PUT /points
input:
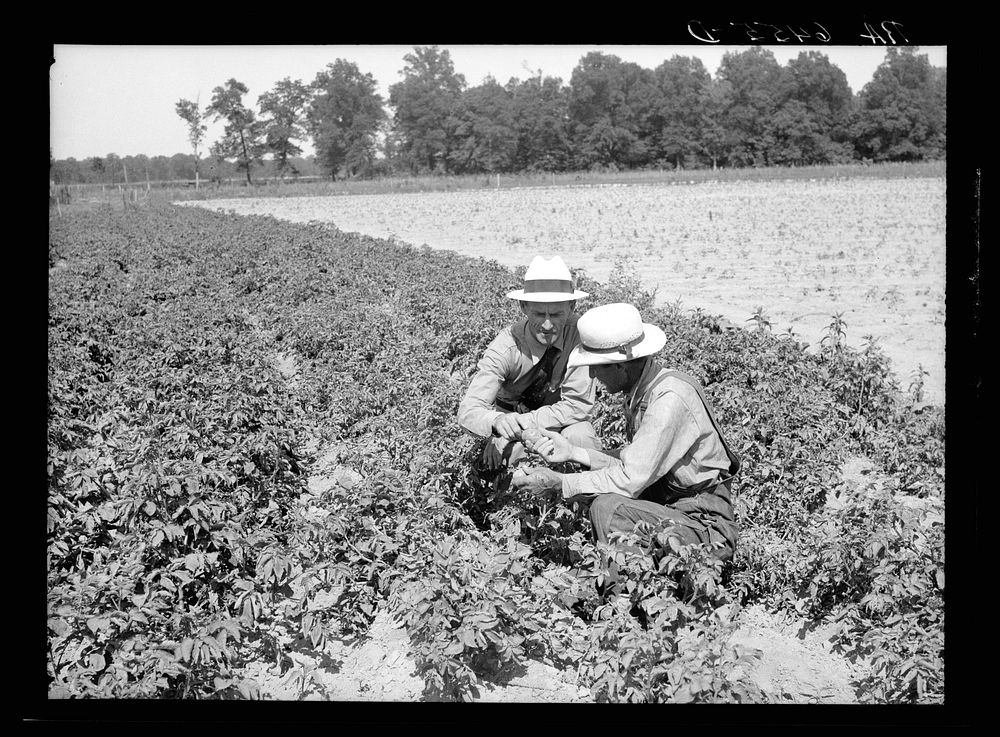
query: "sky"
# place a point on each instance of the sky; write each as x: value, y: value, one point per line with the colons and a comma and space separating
x: 120, y: 99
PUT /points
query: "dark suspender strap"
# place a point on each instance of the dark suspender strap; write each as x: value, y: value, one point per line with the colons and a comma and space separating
x: 504, y: 405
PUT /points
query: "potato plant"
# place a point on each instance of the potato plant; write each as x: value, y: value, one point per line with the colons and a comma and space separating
x: 185, y: 541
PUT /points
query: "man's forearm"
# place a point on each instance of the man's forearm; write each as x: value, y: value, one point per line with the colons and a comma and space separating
x: 477, y: 420
x: 559, y: 414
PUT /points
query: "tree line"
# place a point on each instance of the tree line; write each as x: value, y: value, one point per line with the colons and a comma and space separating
x: 612, y: 115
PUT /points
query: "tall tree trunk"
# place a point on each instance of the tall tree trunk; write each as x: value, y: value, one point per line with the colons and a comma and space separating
x: 246, y: 156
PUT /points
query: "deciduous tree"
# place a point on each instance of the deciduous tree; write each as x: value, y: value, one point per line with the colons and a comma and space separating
x: 425, y: 104
x: 191, y: 114
x: 97, y: 166
x: 679, y: 118
x: 902, y: 113
x: 180, y: 166
x: 717, y: 140
x: 610, y: 106
x: 540, y: 111
x: 485, y: 135
x: 810, y: 125
x: 115, y: 168
x: 283, y: 116
x: 242, y: 138
x: 756, y: 83
x: 344, y: 119
x: 68, y: 171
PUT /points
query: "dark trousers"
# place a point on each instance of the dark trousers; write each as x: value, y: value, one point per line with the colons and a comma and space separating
x: 705, y: 517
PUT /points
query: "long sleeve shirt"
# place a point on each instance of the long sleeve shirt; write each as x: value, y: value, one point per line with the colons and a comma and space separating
x: 673, y: 438
x: 507, y: 360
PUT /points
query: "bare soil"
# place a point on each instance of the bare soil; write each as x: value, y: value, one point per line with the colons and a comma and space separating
x: 794, y: 667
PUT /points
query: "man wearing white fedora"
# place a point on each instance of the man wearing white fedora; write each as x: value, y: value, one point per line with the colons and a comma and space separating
x: 522, y: 379
x: 676, y: 467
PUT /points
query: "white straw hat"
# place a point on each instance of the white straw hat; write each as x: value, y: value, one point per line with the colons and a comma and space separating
x: 547, y: 280
x: 614, y: 333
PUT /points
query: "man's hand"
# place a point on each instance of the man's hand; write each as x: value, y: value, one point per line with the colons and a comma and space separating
x: 508, y: 426
x: 543, y: 483
x: 551, y: 446
x: 493, y: 453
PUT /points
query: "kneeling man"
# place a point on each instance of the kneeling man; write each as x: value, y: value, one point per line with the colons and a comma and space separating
x: 676, y: 466
x: 522, y: 381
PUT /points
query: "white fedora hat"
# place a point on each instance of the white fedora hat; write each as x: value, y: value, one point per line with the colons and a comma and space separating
x: 547, y: 280
x: 614, y: 333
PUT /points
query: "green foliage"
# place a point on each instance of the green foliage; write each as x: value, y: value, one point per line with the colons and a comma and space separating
x: 243, y: 136
x: 811, y: 122
x: 677, y: 123
x: 185, y: 539
x: 752, y: 80
x: 191, y: 114
x: 609, y: 102
x: 901, y: 116
x: 662, y: 634
x: 472, y: 611
x: 610, y: 116
x: 538, y: 107
x: 759, y: 319
x: 344, y: 116
x: 425, y: 103
x: 283, y: 109
x: 486, y: 136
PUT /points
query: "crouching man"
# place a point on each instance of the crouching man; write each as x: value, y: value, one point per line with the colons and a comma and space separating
x: 522, y: 381
x: 676, y: 465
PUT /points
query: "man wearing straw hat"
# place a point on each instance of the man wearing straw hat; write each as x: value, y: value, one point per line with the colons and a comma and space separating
x: 676, y: 467
x: 522, y: 379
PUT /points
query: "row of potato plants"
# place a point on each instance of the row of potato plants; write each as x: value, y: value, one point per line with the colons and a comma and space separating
x: 185, y: 540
